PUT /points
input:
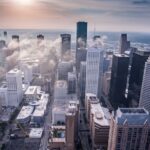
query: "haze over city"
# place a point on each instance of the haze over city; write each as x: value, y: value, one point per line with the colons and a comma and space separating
x: 104, y: 15
x: 74, y: 75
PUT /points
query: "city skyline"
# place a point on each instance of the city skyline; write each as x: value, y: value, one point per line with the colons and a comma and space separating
x: 110, y: 15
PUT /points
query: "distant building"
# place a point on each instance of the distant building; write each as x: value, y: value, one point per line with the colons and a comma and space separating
x: 65, y: 44
x: 60, y: 89
x: 106, y: 83
x: 15, y: 38
x: 118, y: 81
x: 3, y: 95
x: 82, y: 79
x: 94, y: 70
x: 63, y: 68
x: 136, y: 76
x: 81, y: 40
x: 81, y: 55
x: 14, y: 86
x: 145, y: 89
x: 130, y: 129
x: 3, y: 53
x: 72, y: 83
x: 124, y: 43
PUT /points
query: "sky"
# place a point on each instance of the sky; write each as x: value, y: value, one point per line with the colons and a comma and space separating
x: 103, y: 15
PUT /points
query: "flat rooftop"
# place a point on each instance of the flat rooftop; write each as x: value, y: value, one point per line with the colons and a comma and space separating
x: 36, y: 132
x: 102, y: 115
x: 135, y: 111
x: 132, y: 116
x: 25, y: 112
x: 31, y: 90
x: 61, y: 84
x: 14, y: 71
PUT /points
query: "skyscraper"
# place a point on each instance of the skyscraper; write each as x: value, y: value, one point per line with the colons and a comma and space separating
x: 65, y: 43
x: 94, y: 69
x: 130, y: 130
x: 136, y: 76
x: 118, y: 81
x: 82, y: 79
x: 145, y: 90
x: 81, y: 35
x: 124, y: 44
x: 14, y: 86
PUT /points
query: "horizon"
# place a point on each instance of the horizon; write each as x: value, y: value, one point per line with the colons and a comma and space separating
x: 110, y: 15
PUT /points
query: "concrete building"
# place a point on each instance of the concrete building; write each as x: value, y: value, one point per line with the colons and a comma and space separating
x: 124, y: 43
x: 60, y: 89
x: 65, y: 44
x: 2, y: 53
x: 31, y: 93
x: 24, y: 115
x: 136, y: 76
x: 94, y: 70
x: 145, y: 90
x: 28, y: 76
x: 3, y: 94
x: 14, y: 86
x: 72, y: 115
x: 130, y: 129
x: 99, y: 126
x: 72, y: 83
x: 63, y: 68
x: 106, y: 83
x: 118, y: 81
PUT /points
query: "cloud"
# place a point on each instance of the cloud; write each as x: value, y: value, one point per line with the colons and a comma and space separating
x: 56, y: 14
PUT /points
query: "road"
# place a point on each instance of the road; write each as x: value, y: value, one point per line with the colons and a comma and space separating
x: 84, y: 130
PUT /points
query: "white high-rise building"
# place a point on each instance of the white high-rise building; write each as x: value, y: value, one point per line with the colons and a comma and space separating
x: 94, y: 64
x: 14, y: 86
x: 145, y: 91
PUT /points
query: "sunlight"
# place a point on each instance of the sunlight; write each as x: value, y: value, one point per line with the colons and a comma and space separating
x: 23, y: 2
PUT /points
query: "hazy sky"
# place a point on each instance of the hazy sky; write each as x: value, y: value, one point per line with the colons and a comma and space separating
x: 105, y: 15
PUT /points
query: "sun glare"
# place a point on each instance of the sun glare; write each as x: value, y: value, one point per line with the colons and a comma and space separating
x: 23, y: 2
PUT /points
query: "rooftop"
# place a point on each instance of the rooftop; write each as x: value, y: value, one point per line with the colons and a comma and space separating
x: 132, y: 116
x: 31, y: 90
x: 25, y: 112
x: 102, y: 115
x: 61, y: 84
x: 36, y: 133
x: 14, y: 71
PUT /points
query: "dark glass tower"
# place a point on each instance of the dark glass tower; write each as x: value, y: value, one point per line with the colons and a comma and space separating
x: 81, y: 35
x: 118, y: 82
x: 136, y: 76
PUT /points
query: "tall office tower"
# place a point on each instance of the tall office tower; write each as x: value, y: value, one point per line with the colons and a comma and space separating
x: 65, y: 44
x: 136, y: 76
x: 2, y: 53
x: 94, y: 70
x: 145, y: 90
x: 63, y: 68
x: 124, y: 44
x: 15, y: 38
x: 72, y: 115
x: 81, y: 40
x: 72, y: 83
x: 118, y: 81
x: 82, y: 79
x: 81, y: 55
x: 130, y: 130
x: 14, y: 86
